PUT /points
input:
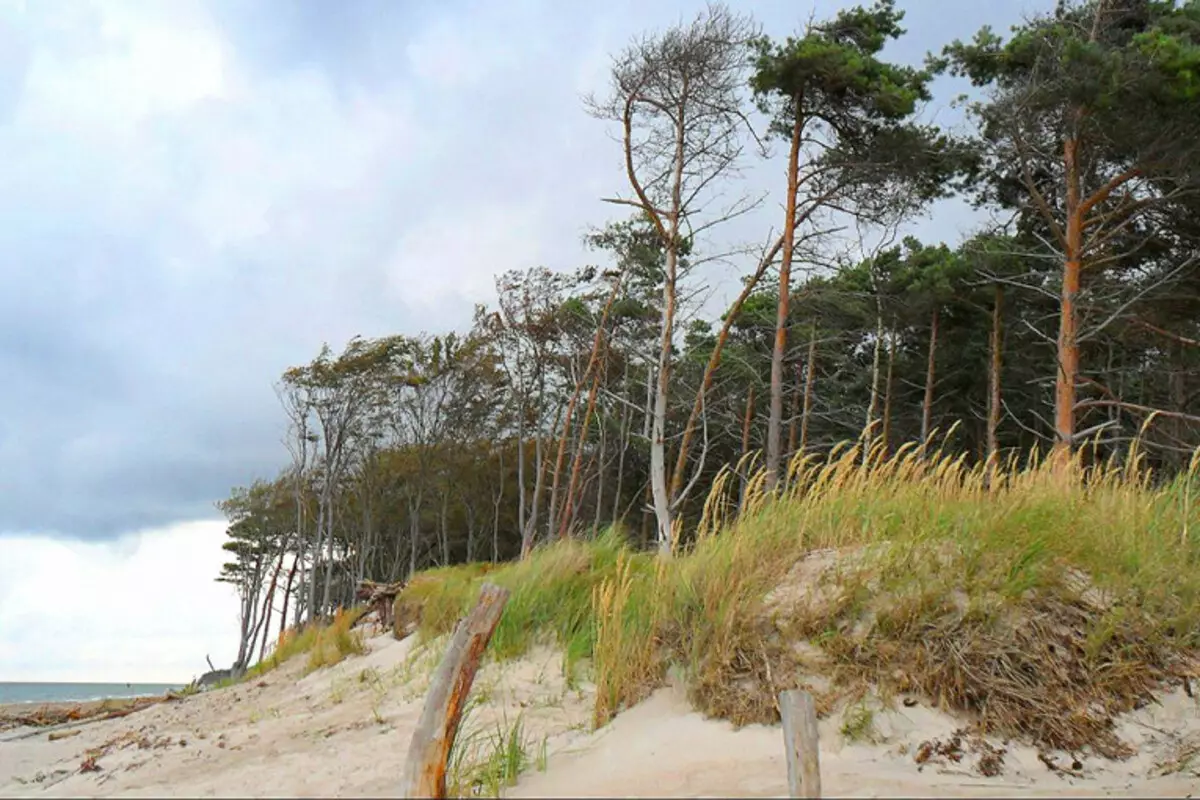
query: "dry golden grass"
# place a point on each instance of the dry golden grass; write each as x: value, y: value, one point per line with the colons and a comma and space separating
x: 999, y: 591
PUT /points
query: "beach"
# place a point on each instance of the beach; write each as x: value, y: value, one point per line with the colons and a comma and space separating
x: 344, y: 731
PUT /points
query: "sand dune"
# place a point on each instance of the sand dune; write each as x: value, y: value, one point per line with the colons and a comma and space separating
x: 343, y: 731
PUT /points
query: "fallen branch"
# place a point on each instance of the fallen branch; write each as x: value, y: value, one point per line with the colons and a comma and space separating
x: 429, y: 751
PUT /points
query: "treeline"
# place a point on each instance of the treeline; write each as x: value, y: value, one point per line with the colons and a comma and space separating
x: 600, y: 396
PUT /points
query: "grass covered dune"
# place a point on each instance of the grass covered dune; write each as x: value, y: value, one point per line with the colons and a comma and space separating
x: 1040, y: 604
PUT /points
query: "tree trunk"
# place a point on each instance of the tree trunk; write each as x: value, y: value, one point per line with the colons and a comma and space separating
x: 521, y: 494
x: 592, y: 365
x: 647, y: 425
x: 568, y: 509
x: 328, y: 555
x: 809, y: 374
x: 500, y: 501
x: 873, y: 403
x: 443, y: 532
x: 746, y: 419
x: 622, y: 446
x: 433, y: 739
x: 887, y: 390
x: 1068, y: 338
x: 993, y: 417
x: 267, y: 606
x: 775, y: 419
x: 714, y: 361
x: 930, y: 377
x: 414, y: 530
x: 287, y: 595
x: 794, y: 413
x: 531, y: 525
x: 603, y: 431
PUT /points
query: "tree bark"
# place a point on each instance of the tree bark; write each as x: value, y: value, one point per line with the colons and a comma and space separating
x: 775, y: 418
x: 714, y: 361
x: 433, y: 739
x: 568, y: 509
x: 746, y: 420
x: 993, y: 417
x: 794, y: 412
x: 930, y: 377
x: 592, y: 365
x: 873, y: 402
x: 1068, y: 322
x: 623, y: 446
x: 887, y: 390
x: 809, y: 375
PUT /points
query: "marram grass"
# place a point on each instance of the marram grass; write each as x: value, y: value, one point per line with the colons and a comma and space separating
x: 1000, y: 591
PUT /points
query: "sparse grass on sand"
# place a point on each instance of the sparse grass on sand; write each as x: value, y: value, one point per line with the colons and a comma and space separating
x: 326, y: 643
x: 1039, y: 600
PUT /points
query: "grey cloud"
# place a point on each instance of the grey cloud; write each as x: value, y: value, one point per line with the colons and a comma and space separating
x: 374, y: 164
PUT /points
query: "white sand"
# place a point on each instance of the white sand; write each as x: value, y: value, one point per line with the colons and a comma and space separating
x: 344, y: 732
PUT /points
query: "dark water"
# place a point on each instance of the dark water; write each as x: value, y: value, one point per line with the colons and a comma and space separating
x: 76, y: 692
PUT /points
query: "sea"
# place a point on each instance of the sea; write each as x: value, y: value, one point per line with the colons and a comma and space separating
x: 77, y: 692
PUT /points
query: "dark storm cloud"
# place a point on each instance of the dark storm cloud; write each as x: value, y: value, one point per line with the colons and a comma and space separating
x: 194, y: 196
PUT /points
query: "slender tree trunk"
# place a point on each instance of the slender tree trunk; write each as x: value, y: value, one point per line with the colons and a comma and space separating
x: 592, y: 366
x: 647, y: 425
x: 746, y: 419
x: 809, y: 375
x: 568, y: 510
x: 794, y: 413
x: 622, y: 445
x: 539, y: 466
x: 873, y: 402
x: 521, y: 493
x: 602, y: 430
x: 1068, y: 338
x: 267, y: 606
x: 325, y: 595
x: 930, y: 377
x: 443, y: 531
x: 287, y: 595
x: 414, y: 530
x: 500, y: 501
x: 775, y: 419
x: 714, y: 361
x: 994, y: 402
x: 658, y: 425
x: 887, y: 390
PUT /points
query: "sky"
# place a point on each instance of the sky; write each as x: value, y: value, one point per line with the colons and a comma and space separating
x: 194, y: 196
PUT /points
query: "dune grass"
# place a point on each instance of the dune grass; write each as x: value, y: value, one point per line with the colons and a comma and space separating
x: 1002, y: 593
x: 324, y: 642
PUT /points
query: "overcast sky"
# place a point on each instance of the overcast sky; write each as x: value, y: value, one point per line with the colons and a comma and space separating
x: 195, y: 195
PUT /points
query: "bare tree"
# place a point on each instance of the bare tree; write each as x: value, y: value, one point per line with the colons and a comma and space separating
x: 678, y: 97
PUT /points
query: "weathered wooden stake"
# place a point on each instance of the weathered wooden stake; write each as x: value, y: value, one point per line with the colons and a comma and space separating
x: 799, y: 714
x: 425, y: 767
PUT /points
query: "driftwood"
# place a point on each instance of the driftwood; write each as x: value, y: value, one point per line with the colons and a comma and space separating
x: 379, y: 598
x: 799, y: 714
x: 425, y: 766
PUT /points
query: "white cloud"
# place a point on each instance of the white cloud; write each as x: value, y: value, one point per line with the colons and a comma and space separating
x: 145, y: 608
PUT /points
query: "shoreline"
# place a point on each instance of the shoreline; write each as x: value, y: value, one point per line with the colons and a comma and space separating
x: 337, y: 731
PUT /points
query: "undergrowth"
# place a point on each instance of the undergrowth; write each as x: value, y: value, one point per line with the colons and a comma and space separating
x: 1041, y: 600
x: 325, y: 643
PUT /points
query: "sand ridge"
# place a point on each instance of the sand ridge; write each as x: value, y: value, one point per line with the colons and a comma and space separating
x: 343, y: 731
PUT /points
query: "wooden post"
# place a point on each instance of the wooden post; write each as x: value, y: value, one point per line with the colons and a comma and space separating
x: 799, y: 715
x: 425, y: 767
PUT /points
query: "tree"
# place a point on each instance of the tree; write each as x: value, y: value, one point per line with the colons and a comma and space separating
x: 1092, y: 122
x: 843, y: 111
x: 678, y: 99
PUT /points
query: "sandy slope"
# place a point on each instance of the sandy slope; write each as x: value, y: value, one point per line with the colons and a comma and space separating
x: 344, y: 731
